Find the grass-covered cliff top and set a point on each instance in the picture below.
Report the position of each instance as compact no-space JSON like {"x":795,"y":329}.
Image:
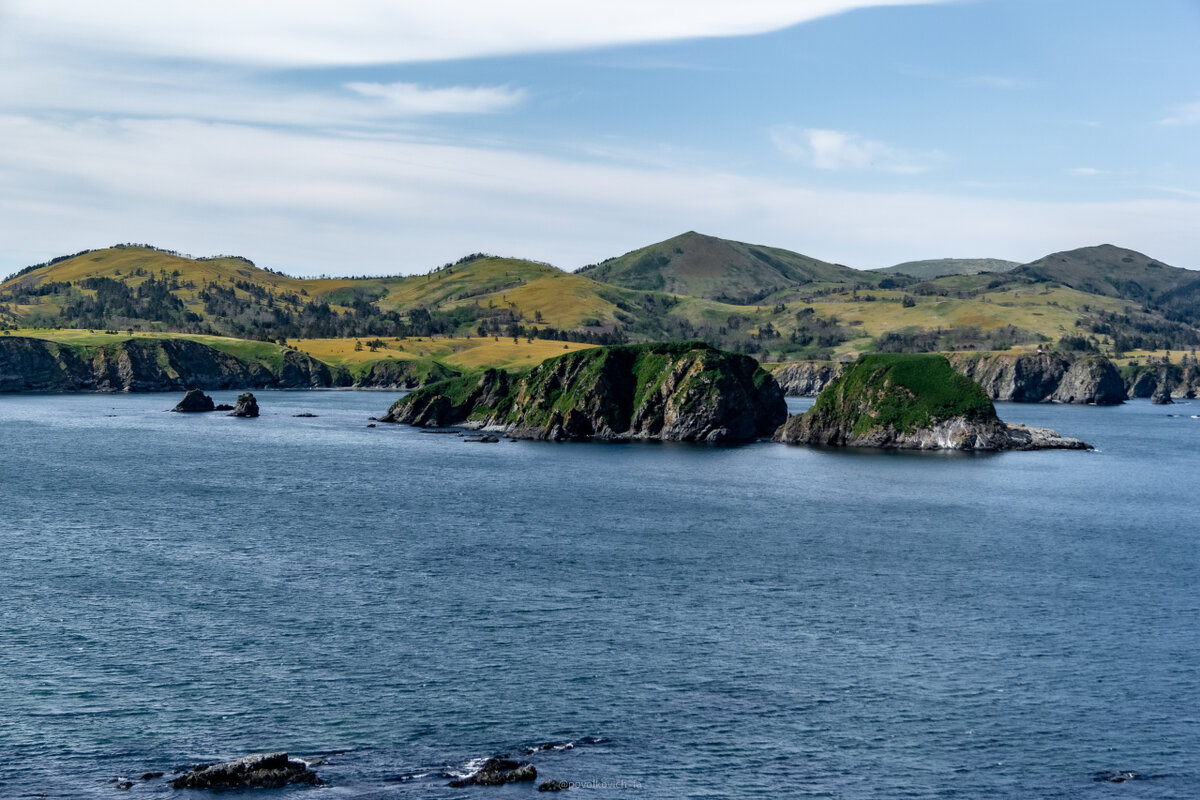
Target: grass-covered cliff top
{"x":904,"y":391}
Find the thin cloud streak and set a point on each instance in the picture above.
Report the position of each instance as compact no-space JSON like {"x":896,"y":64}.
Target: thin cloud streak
{"x":411,"y":98}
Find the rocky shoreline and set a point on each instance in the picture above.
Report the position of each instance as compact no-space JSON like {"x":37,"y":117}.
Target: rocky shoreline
{"x":1030,"y":378}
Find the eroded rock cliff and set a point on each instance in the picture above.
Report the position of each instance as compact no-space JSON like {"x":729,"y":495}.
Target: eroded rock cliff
{"x":806,"y":378}
{"x":670,"y":392}
{"x":146,"y":364}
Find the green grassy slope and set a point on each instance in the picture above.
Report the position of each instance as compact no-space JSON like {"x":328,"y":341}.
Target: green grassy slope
{"x":938,"y":267}
{"x":719,"y":269}
{"x":1107,"y":270}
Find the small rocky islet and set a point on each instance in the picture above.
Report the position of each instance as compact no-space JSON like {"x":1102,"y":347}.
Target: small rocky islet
{"x":197,"y":402}
{"x":678,"y":392}
{"x":915,"y":402}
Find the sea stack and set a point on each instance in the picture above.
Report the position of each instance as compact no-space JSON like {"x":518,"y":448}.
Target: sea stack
{"x":246,"y":406}
{"x":194,"y":401}
{"x":913,"y":402}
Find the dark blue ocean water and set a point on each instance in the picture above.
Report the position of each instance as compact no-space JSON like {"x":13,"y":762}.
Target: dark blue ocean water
{"x":753,"y":621}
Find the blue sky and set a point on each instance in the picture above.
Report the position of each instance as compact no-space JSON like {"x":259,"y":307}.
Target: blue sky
{"x":378,"y":136}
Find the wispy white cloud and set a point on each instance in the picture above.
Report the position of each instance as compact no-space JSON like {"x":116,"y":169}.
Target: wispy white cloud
{"x":285,"y":32}
{"x":316,"y":202}
{"x":1183,"y":114}
{"x":838,"y":150}
{"x":1086,"y":171}
{"x":411,"y":98}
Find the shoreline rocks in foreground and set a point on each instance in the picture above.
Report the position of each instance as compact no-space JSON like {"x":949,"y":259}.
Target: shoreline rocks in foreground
{"x":914,"y":402}
{"x":258,"y":771}
{"x":681,"y":391}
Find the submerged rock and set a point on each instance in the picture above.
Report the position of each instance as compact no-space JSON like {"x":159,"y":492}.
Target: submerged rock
{"x":259,"y":771}
{"x":496,"y":772}
{"x":685,"y":391}
{"x":246,"y":406}
{"x":195,"y":401}
{"x":554,"y":786}
{"x":915,"y":402}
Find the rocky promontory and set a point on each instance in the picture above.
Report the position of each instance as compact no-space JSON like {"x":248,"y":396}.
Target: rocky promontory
{"x":401,"y":374}
{"x":147,"y":364}
{"x":1093,"y":380}
{"x":685,"y":391}
{"x":915,"y":402}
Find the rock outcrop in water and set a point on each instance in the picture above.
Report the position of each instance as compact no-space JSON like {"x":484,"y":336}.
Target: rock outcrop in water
{"x":195,"y":401}
{"x":668,"y":391}
{"x":146,"y":364}
{"x":260,"y":771}
{"x":497,"y":772}
{"x":246,"y":406}
{"x":913,"y":402}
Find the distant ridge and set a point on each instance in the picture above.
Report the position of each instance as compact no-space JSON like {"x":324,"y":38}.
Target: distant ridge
{"x":940,"y":267}
{"x":697,"y":265}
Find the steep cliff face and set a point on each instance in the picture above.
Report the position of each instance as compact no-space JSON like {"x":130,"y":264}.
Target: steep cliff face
{"x":668,"y":392}
{"x":807,"y":378}
{"x":1091,"y":380}
{"x":402,"y":374}
{"x":910,"y":402}
{"x":1172,"y":380}
{"x":1015,"y":377}
{"x":145,"y":365}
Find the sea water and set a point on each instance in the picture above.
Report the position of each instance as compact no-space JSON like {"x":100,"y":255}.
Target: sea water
{"x":661,"y":621}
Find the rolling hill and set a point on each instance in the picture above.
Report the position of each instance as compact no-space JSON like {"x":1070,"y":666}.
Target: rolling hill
{"x":1100,"y":298}
{"x":939,"y":267}
{"x":718,"y":269}
{"x":1109,"y":271}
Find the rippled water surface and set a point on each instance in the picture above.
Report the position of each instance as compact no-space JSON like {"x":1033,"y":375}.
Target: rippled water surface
{"x":760,"y":620}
